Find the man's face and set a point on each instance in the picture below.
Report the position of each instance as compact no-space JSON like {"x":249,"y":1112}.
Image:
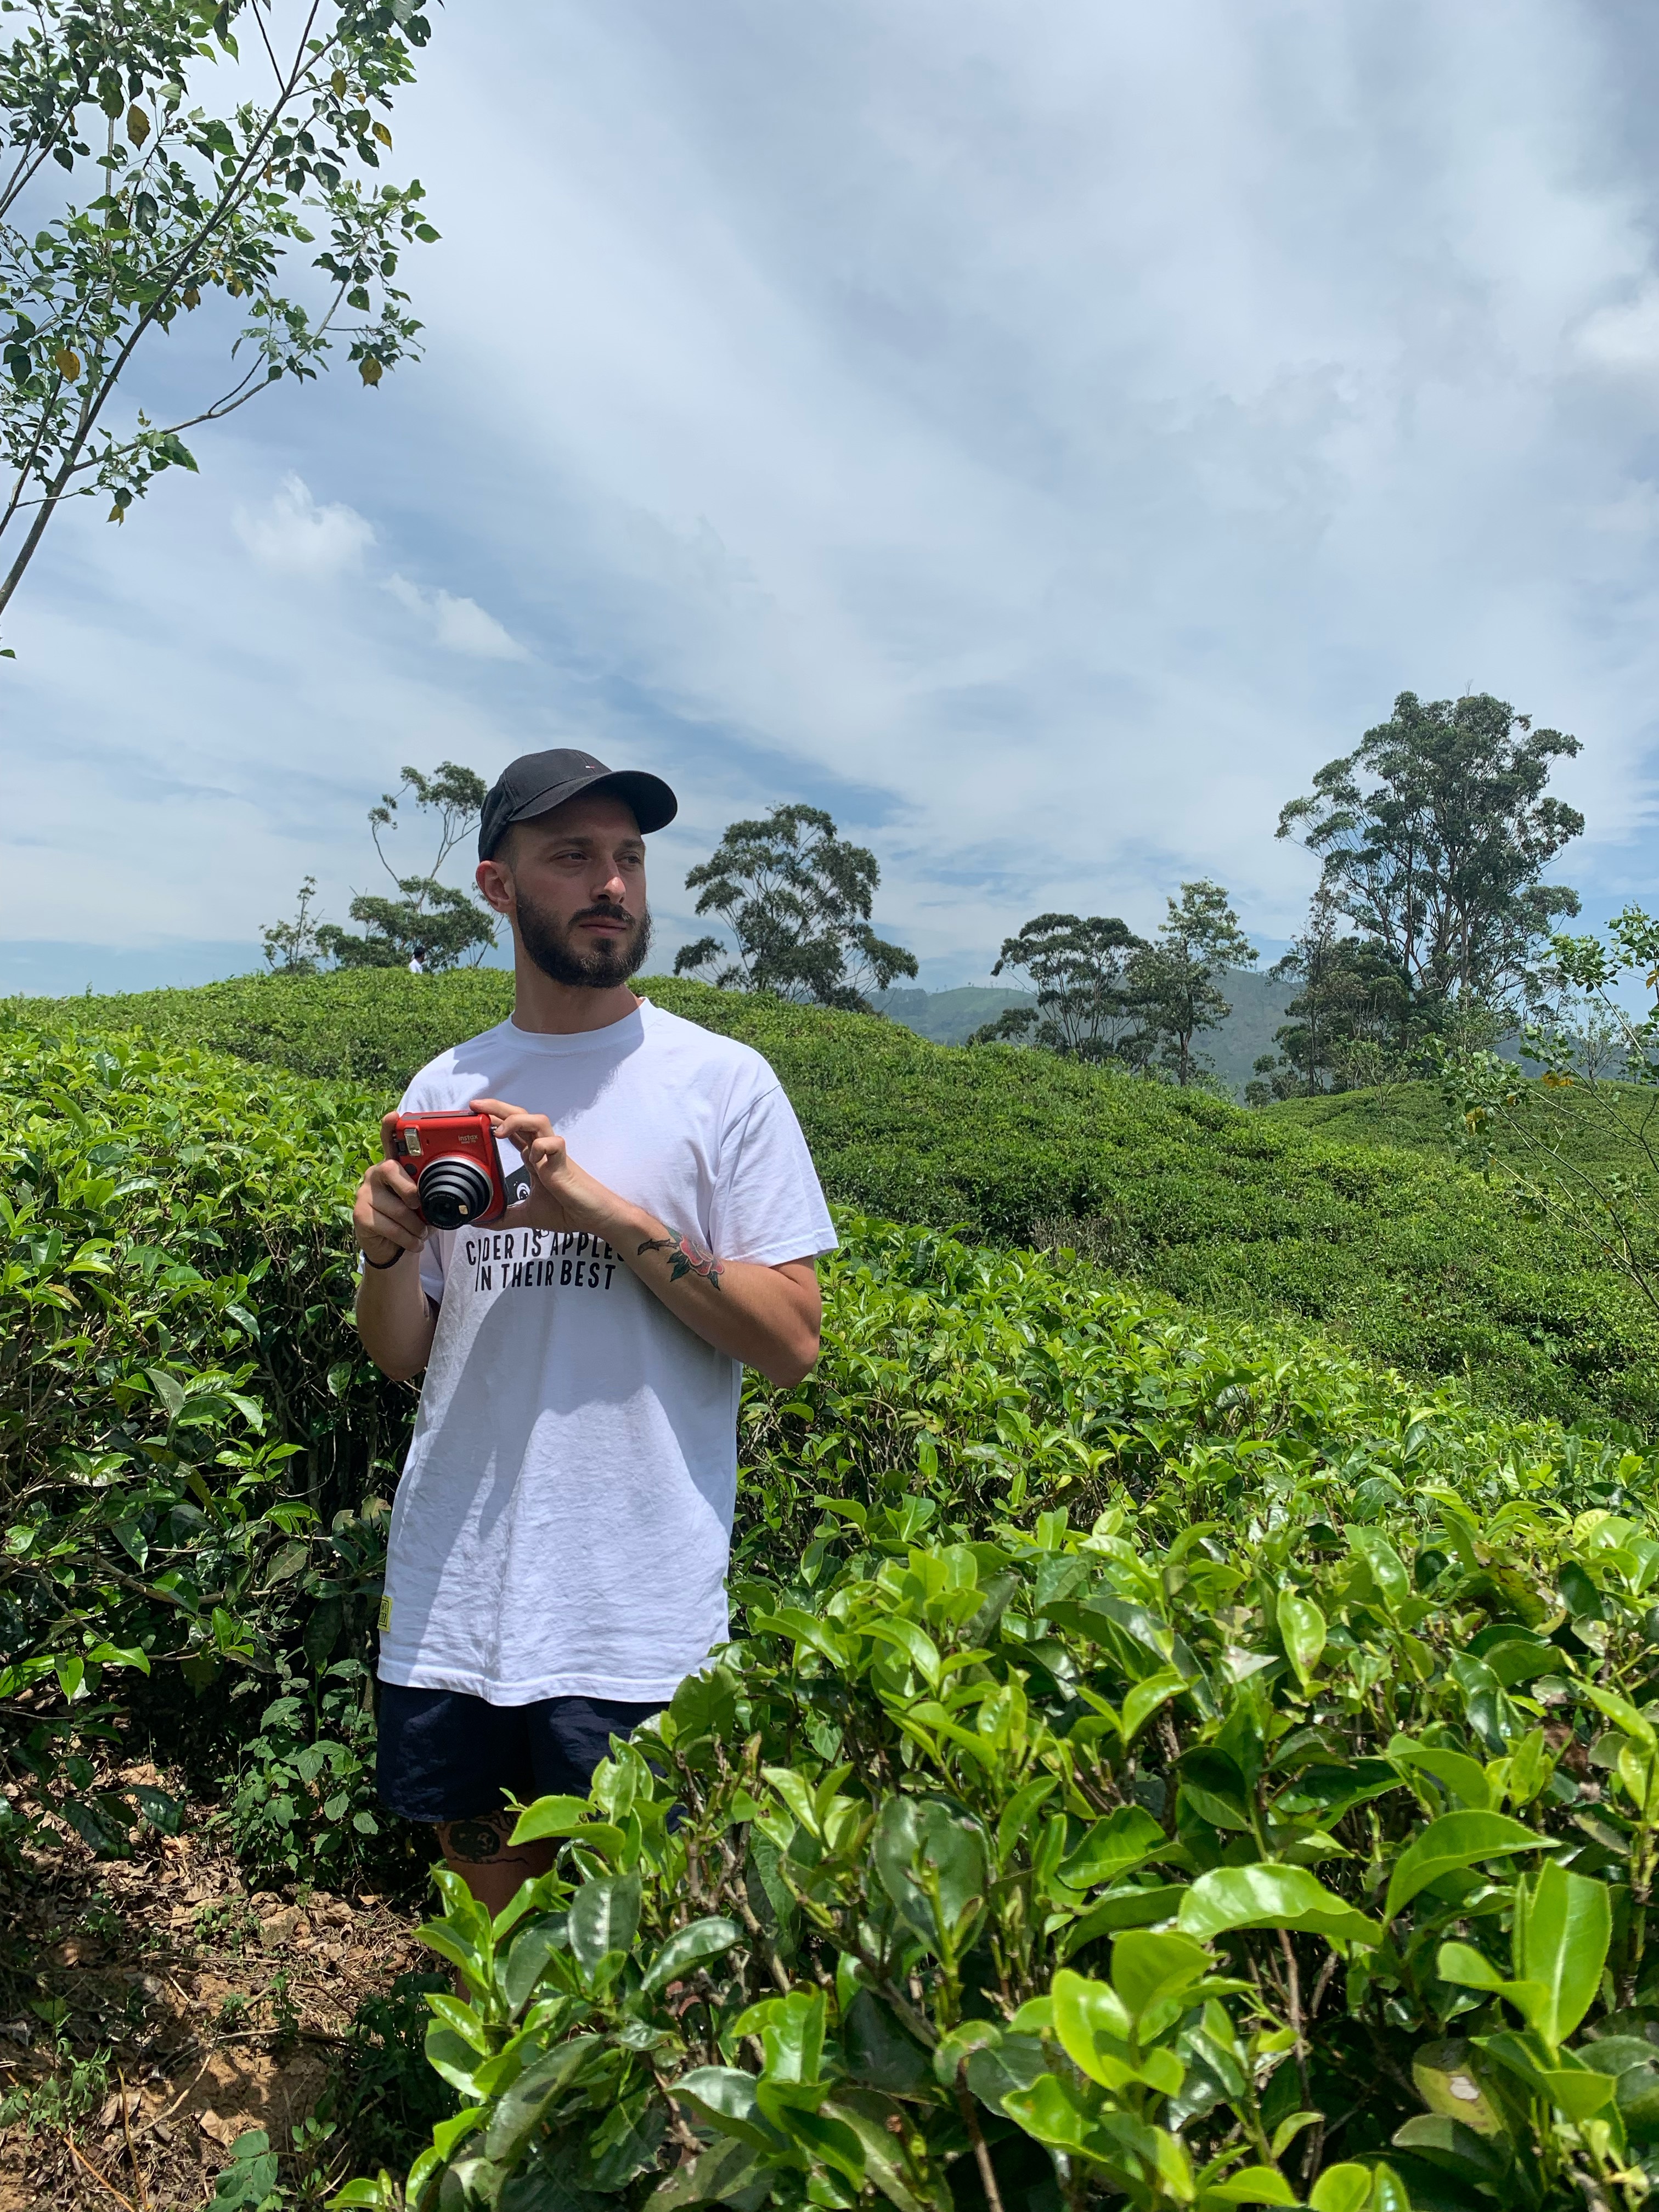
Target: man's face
{"x":573,"y":884}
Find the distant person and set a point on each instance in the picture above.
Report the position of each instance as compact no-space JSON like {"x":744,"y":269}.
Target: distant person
{"x":417,"y":964}
{"x":560,"y":1533}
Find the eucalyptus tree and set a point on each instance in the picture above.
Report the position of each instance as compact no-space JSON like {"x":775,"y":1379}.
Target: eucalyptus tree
{"x":1082,"y":969}
{"x":130,"y":197}
{"x":1174,"y":978}
{"x":795,"y":897}
{"x":1433,"y":835}
{"x":446,"y":927}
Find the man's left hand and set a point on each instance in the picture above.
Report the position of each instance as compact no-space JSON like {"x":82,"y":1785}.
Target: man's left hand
{"x":562,"y":1195}
{"x":767,"y":1316}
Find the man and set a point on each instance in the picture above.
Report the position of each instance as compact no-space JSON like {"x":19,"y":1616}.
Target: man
{"x":560,"y":1533}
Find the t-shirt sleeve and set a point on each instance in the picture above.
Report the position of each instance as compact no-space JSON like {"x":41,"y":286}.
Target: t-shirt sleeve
{"x":768,"y":1204}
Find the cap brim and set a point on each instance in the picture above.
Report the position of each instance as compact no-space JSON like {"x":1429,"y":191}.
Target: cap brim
{"x":653,"y":804}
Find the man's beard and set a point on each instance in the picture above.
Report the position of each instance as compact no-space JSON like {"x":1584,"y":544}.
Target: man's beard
{"x":611,"y":960}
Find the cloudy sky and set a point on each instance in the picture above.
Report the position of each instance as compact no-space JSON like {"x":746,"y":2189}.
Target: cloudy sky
{"x":1043,"y":434}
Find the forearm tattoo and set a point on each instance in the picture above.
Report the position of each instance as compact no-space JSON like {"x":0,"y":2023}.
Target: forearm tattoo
{"x":684,"y":1258}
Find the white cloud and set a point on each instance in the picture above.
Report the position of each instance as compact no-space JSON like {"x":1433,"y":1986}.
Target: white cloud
{"x":1043,"y":437}
{"x":1625,"y":336}
{"x":457,"y":625}
{"x":294,"y":537}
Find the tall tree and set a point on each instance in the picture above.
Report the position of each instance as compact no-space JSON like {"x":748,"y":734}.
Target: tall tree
{"x":161,"y":205}
{"x":291,"y":947}
{"x":1086,"y":1006}
{"x":1433,"y":835}
{"x":796,"y":898}
{"x":1342,"y":1020}
{"x":447,"y":926}
{"x":1174,"y":978}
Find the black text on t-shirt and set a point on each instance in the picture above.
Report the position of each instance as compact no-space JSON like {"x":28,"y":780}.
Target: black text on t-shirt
{"x":539,"y":1258}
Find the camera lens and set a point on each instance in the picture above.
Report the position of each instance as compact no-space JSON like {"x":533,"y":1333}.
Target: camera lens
{"x":454,"y":1192}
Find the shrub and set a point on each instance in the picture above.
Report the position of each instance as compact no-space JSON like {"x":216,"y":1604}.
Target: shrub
{"x":195,"y":1454}
{"x":191,"y":1437}
{"x":1275,"y":1841}
{"x":387,"y":2098}
{"x":1408,"y":1255}
{"x":1145,"y":1729}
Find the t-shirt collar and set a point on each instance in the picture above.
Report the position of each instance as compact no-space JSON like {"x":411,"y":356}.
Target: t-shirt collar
{"x":614,"y":1036}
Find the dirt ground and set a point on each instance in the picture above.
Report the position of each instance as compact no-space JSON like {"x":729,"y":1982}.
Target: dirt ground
{"x":190,"y":2008}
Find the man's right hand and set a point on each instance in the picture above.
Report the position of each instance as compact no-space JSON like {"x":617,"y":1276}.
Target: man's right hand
{"x":385,"y":1216}
{"x":396,"y":1319}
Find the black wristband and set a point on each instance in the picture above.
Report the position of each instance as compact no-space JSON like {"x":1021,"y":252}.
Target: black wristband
{"x":392,"y":1262}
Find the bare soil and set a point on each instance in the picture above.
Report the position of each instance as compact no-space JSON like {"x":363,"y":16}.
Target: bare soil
{"x":191,"y":2010}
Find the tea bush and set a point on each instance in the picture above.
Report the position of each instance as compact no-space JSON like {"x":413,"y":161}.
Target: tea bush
{"x":1280,"y":1838}
{"x":190,"y":1441}
{"x":1164,"y":1759}
{"x":194,"y":1455}
{"x":1405,"y":1254}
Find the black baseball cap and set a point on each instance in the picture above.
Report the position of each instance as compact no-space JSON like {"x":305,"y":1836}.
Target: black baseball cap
{"x":535,"y":783}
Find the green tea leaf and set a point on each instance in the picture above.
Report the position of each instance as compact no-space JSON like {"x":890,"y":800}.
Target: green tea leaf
{"x":1301,"y":1624}
{"x":1451,"y":1843}
{"x":1341,"y":2189}
{"x":1271,"y":1896}
{"x":918,"y":1843}
{"x":1124,"y":1839}
{"x":603,"y":1915}
{"x":727,"y":2098}
{"x":1563,"y":1926}
{"x":689,"y":1948}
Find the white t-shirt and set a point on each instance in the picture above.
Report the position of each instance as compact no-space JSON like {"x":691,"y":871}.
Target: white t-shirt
{"x":563,"y":1521}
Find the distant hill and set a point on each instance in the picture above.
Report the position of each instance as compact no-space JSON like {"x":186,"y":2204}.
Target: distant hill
{"x":951,"y":1017}
{"x":948,"y":1016}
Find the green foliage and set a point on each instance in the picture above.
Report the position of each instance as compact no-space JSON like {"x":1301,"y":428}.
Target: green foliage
{"x":179,"y":204}
{"x":1526,"y":1135}
{"x":1409,"y":1256}
{"x":1164,"y":1759}
{"x":796,"y":899}
{"x":1433,"y":835}
{"x":1086,"y":1005}
{"x":74,"y":2088}
{"x":386,"y":2097}
{"x":291,"y":947}
{"x":1280,"y":1832}
{"x":191,"y":1437}
{"x":997,"y":1376}
{"x":1346,"y":1019}
{"x":196,"y":1451}
{"x":303,"y":1796}
{"x":1174,"y":980}
{"x":1409,"y":1115}
{"x":444,"y":926}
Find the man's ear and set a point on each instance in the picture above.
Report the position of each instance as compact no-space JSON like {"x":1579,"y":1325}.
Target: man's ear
{"x":495,"y":885}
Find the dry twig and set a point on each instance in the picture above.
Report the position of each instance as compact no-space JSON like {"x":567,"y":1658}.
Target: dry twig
{"x":132,"y":2155}
{"x":103,"y":2181}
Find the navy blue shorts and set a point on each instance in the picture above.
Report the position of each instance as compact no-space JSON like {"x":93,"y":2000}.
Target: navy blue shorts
{"x":446,"y":1756}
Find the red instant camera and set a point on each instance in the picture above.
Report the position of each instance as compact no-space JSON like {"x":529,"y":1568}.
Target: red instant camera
{"x":456,"y":1167}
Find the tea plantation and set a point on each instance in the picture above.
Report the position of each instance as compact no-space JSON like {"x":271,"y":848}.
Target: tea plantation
{"x":1399,"y":1251}
{"x":1169,"y":1757}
